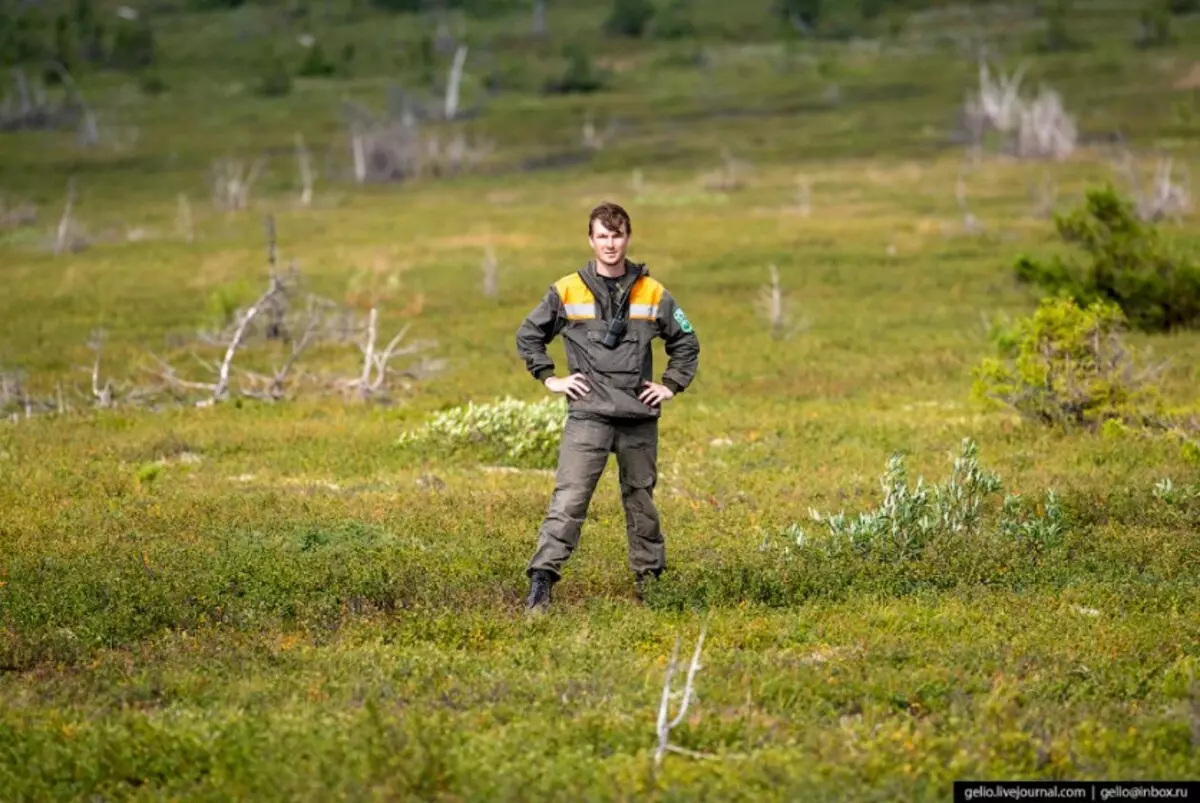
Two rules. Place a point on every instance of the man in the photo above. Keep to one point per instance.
(608, 314)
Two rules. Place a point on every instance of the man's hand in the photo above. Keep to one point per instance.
(654, 394)
(575, 385)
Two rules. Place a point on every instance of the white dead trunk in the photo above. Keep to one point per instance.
(64, 224)
(306, 171)
(539, 17)
(456, 70)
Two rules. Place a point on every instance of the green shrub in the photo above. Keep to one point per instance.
(133, 46)
(1127, 264)
(1058, 37)
(912, 518)
(512, 432)
(674, 21)
(1184, 6)
(1067, 365)
(629, 18)
(274, 81)
(964, 532)
(580, 74)
(316, 64)
(1154, 26)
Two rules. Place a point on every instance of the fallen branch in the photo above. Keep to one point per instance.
(665, 725)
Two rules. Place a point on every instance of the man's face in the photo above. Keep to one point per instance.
(609, 246)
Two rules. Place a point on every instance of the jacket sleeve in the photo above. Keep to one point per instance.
(540, 327)
(682, 345)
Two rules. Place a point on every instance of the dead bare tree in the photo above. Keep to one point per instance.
(68, 236)
(102, 395)
(30, 109)
(491, 273)
(539, 17)
(971, 223)
(772, 302)
(274, 388)
(593, 139)
(1045, 196)
(454, 82)
(730, 176)
(304, 160)
(1165, 197)
(803, 196)
(665, 724)
(372, 382)
(1037, 127)
(22, 214)
(232, 181)
(183, 219)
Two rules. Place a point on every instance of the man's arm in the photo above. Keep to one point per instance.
(682, 345)
(540, 327)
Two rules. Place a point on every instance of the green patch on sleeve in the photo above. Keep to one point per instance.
(684, 323)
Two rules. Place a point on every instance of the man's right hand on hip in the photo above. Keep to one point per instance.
(575, 385)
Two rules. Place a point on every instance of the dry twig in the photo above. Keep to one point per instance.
(665, 724)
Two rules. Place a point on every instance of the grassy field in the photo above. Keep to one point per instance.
(254, 600)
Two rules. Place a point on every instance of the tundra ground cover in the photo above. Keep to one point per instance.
(261, 600)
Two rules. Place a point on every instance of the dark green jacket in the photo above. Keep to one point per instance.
(578, 307)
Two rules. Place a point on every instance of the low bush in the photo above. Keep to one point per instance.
(580, 74)
(509, 432)
(132, 46)
(1126, 263)
(963, 532)
(1069, 366)
(629, 18)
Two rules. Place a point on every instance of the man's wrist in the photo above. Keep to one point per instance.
(672, 385)
(543, 374)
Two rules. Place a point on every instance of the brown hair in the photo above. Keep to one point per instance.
(612, 216)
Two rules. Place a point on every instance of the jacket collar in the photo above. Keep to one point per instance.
(633, 270)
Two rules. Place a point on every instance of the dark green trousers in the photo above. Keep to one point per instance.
(583, 454)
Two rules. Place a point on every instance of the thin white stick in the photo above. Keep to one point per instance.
(306, 172)
(460, 58)
(368, 354)
(64, 223)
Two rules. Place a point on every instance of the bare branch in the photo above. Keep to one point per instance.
(304, 158)
(665, 726)
(491, 273)
(64, 223)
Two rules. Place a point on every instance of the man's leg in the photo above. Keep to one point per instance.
(637, 459)
(582, 455)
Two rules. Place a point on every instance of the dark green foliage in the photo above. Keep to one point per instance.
(806, 12)
(22, 36)
(152, 84)
(1068, 366)
(1184, 6)
(629, 18)
(1125, 263)
(674, 21)
(132, 46)
(580, 74)
(274, 81)
(1058, 37)
(66, 50)
(1154, 26)
(478, 8)
(215, 5)
(399, 6)
(316, 64)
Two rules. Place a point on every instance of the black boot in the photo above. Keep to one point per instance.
(540, 583)
(642, 580)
